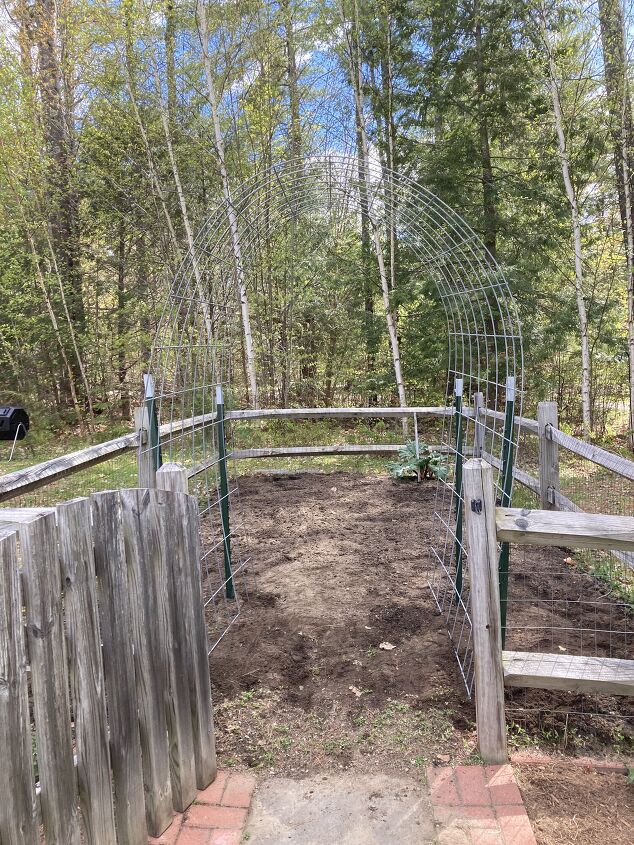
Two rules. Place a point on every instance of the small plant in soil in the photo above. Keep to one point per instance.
(428, 463)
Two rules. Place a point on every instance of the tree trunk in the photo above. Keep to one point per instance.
(203, 295)
(620, 110)
(124, 398)
(571, 194)
(154, 175)
(170, 65)
(295, 133)
(366, 270)
(55, 326)
(203, 32)
(62, 208)
(357, 87)
(387, 83)
(488, 182)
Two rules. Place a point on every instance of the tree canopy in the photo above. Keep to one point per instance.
(122, 124)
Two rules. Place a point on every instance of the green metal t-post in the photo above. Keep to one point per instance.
(457, 487)
(505, 499)
(154, 443)
(224, 491)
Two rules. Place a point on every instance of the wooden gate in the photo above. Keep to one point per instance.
(105, 707)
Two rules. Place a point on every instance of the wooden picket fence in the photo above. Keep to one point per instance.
(104, 680)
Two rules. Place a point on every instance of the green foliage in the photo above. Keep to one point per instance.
(437, 77)
(428, 463)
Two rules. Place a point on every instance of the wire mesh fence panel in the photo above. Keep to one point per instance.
(561, 604)
(304, 210)
(527, 461)
(484, 388)
(566, 603)
(191, 395)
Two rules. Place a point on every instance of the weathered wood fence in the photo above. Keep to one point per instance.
(494, 668)
(546, 485)
(106, 723)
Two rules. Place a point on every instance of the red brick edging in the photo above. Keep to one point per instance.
(216, 817)
(478, 805)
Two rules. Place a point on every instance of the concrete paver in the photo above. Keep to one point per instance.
(465, 805)
(344, 809)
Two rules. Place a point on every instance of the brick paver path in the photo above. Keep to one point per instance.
(478, 805)
(216, 817)
(473, 805)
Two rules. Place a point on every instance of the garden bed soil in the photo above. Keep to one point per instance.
(340, 658)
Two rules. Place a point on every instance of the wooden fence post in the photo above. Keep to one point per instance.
(198, 663)
(18, 824)
(181, 568)
(172, 477)
(478, 435)
(479, 503)
(49, 680)
(145, 456)
(86, 671)
(548, 455)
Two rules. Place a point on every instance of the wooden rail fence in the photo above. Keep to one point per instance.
(102, 596)
(495, 668)
(40, 475)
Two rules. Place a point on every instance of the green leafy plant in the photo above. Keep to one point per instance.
(428, 463)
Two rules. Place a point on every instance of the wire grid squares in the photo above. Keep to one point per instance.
(565, 603)
(300, 209)
(186, 394)
(475, 431)
(484, 386)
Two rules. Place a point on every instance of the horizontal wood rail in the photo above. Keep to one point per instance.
(309, 451)
(524, 478)
(622, 466)
(568, 672)
(522, 422)
(341, 413)
(40, 475)
(565, 528)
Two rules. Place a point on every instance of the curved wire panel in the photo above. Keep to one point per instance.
(291, 218)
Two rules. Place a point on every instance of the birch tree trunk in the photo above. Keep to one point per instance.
(56, 330)
(364, 150)
(294, 153)
(203, 296)
(571, 194)
(203, 32)
(130, 84)
(617, 86)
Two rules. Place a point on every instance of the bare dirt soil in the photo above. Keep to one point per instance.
(572, 806)
(340, 658)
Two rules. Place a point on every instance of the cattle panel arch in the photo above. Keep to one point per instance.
(302, 207)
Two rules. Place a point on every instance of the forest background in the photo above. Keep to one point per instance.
(123, 123)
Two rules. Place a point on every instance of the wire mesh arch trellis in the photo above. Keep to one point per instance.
(286, 216)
